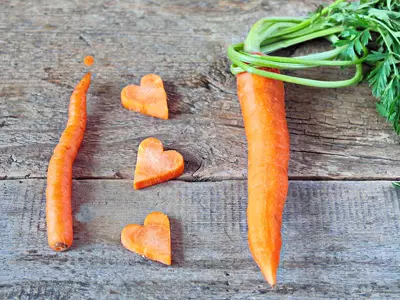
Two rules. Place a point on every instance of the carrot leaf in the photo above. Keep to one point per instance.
(361, 32)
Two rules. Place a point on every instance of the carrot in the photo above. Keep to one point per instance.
(263, 109)
(89, 60)
(153, 240)
(59, 174)
(154, 165)
(149, 98)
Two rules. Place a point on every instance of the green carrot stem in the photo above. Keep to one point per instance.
(309, 82)
(287, 43)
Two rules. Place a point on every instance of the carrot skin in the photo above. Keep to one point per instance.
(59, 174)
(263, 110)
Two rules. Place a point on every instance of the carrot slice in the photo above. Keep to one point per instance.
(149, 98)
(88, 60)
(153, 240)
(154, 165)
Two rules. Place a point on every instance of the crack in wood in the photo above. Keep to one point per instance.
(291, 178)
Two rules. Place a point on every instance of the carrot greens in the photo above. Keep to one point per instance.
(362, 33)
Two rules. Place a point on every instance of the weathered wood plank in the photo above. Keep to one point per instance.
(334, 133)
(341, 240)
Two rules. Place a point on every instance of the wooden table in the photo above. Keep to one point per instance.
(341, 222)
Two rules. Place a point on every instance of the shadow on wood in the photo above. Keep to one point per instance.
(176, 242)
(174, 98)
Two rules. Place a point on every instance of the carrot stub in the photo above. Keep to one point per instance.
(154, 165)
(263, 110)
(149, 98)
(153, 240)
(88, 60)
(59, 174)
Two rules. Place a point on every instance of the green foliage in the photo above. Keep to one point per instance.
(396, 184)
(382, 18)
(369, 33)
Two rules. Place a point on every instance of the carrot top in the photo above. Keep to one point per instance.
(365, 32)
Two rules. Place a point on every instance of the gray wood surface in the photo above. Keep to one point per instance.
(340, 239)
(334, 133)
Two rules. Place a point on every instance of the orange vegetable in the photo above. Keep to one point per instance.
(149, 98)
(263, 109)
(89, 60)
(153, 240)
(154, 165)
(59, 174)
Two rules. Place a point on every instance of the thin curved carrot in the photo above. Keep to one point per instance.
(154, 165)
(59, 174)
(153, 240)
(263, 110)
(88, 60)
(149, 98)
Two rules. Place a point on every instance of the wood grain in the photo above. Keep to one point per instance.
(340, 240)
(334, 133)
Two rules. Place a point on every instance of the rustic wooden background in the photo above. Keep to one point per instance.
(341, 232)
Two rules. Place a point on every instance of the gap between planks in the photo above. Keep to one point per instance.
(291, 178)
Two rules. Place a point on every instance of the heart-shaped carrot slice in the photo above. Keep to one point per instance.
(149, 98)
(154, 165)
(153, 240)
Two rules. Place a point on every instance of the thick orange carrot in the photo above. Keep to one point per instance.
(149, 98)
(153, 240)
(154, 165)
(59, 174)
(263, 109)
